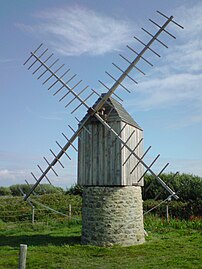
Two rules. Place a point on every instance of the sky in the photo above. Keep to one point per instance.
(88, 36)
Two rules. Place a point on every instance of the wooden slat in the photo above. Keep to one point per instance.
(100, 160)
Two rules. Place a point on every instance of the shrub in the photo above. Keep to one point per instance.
(75, 190)
(15, 209)
(5, 191)
(40, 189)
(177, 209)
(188, 187)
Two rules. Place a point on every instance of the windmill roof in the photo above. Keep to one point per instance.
(123, 114)
(118, 111)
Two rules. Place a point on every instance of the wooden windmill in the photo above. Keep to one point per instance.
(110, 151)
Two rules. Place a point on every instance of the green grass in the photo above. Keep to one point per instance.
(57, 245)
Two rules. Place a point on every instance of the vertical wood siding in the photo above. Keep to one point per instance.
(128, 177)
(100, 157)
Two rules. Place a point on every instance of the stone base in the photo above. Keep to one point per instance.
(112, 216)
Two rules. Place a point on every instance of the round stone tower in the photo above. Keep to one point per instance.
(112, 215)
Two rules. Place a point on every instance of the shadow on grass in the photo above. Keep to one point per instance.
(39, 240)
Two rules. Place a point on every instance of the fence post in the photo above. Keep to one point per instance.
(22, 256)
(70, 211)
(167, 213)
(33, 211)
(167, 208)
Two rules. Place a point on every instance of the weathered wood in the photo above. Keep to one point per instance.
(22, 256)
(101, 155)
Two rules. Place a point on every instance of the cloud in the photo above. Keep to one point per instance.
(74, 31)
(169, 91)
(12, 173)
(5, 173)
(10, 177)
(178, 79)
(190, 15)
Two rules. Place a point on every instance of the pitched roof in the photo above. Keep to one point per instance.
(118, 112)
(122, 113)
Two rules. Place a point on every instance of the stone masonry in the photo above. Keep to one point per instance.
(112, 216)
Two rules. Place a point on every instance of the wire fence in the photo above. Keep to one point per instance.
(54, 207)
(38, 214)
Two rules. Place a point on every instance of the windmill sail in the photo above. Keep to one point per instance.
(39, 60)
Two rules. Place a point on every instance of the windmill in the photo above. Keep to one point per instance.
(111, 164)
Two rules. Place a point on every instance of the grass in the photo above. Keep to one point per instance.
(57, 245)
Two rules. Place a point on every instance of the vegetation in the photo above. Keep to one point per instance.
(54, 239)
(189, 205)
(5, 191)
(177, 209)
(188, 187)
(15, 209)
(75, 190)
(57, 245)
(43, 188)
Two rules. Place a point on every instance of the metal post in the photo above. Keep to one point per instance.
(167, 213)
(22, 256)
(33, 211)
(70, 211)
(167, 208)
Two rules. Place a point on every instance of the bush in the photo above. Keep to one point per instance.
(75, 190)
(177, 209)
(188, 187)
(5, 191)
(40, 189)
(15, 209)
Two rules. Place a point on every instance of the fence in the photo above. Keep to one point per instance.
(34, 214)
(13, 209)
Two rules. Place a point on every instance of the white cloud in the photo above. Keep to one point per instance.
(178, 79)
(188, 54)
(190, 15)
(10, 177)
(169, 91)
(4, 172)
(76, 31)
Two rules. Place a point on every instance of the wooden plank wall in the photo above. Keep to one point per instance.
(100, 159)
(129, 178)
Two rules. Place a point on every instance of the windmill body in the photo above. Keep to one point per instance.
(101, 156)
(112, 202)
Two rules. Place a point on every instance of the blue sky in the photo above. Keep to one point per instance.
(88, 36)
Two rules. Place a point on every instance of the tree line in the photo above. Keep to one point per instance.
(14, 190)
(188, 188)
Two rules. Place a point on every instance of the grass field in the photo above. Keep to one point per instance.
(172, 245)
